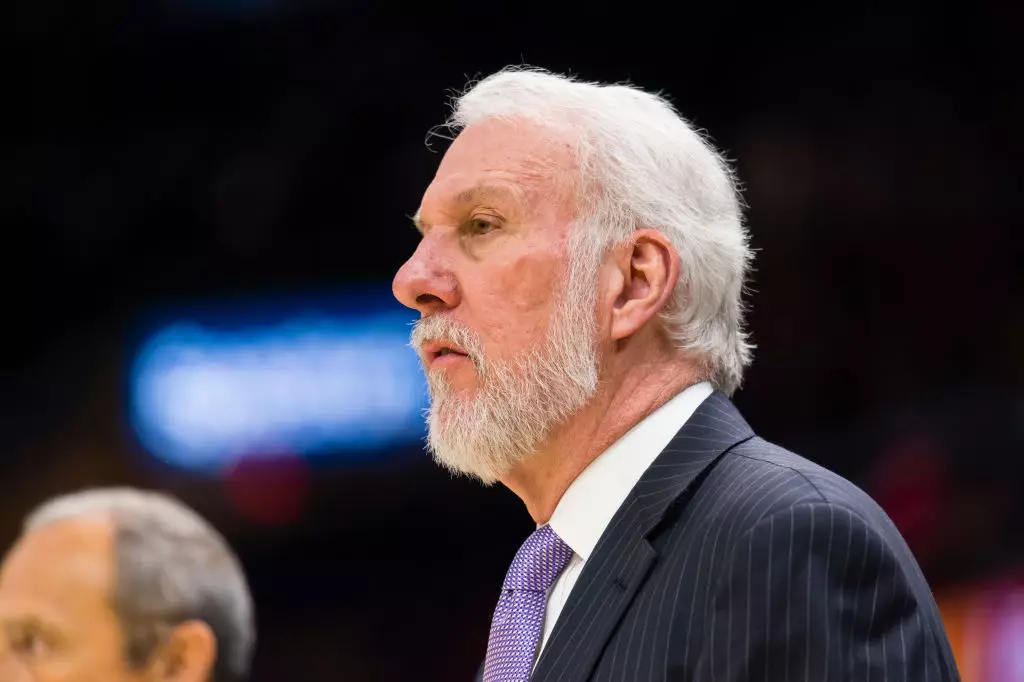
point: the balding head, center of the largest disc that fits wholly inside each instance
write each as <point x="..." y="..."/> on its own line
<point x="171" y="584"/>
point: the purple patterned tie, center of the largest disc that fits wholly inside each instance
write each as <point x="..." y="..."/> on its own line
<point x="519" y="616"/>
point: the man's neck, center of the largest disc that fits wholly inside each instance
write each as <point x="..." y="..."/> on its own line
<point x="542" y="479"/>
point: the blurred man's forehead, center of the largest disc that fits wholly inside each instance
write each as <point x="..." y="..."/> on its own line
<point x="63" y="568"/>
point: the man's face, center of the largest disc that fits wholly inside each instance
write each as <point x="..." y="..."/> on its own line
<point x="56" y="619"/>
<point x="507" y="311"/>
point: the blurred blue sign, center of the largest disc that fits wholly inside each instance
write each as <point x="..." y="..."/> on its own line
<point x="209" y="389"/>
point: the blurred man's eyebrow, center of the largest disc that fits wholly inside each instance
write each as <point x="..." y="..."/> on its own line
<point x="28" y="621"/>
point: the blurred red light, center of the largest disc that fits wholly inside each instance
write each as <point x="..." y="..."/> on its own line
<point x="268" y="490"/>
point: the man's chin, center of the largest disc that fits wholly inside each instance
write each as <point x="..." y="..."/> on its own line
<point x="447" y="413"/>
<point x="448" y="395"/>
<point x="485" y="473"/>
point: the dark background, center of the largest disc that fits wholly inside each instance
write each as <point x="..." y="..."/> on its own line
<point x="175" y="152"/>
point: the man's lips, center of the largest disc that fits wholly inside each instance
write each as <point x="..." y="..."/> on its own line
<point x="436" y="350"/>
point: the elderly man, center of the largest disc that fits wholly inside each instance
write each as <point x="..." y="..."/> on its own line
<point x="121" y="585"/>
<point x="579" y="280"/>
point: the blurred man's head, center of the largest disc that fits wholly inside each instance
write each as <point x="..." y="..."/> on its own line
<point x="122" y="586"/>
<point x="573" y="231"/>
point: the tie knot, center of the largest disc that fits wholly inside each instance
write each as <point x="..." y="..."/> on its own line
<point x="538" y="562"/>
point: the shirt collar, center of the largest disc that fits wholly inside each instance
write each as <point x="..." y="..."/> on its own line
<point x="590" y="502"/>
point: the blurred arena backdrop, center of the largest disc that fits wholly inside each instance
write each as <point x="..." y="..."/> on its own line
<point x="206" y="201"/>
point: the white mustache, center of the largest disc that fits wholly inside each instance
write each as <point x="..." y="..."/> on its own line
<point x="439" y="328"/>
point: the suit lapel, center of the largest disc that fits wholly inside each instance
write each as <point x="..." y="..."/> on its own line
<point x="624" y="555"/>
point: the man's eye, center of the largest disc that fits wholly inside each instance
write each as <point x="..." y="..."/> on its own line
<point x="29" y="644"/>
<point x="482" y="225"/>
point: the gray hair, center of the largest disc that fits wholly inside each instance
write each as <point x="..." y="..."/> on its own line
<point x="641" y="165"/>
<point x="171" y="566"/>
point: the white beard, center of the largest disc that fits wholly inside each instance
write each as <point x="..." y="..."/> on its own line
<point x="517" y="402"/>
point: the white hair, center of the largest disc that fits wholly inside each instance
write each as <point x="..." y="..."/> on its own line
<point x="641" y="165"/>
<point x="171" y="566"/>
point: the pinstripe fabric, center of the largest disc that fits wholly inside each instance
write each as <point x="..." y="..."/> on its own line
<point x="733" y="560"/>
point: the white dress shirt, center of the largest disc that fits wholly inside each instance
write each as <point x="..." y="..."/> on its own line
<point x="589" y="504"/>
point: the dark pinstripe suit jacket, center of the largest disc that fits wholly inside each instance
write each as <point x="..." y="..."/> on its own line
<point x="733" y="560"/>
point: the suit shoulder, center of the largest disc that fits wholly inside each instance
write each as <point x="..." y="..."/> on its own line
<point x="766" y="479"/>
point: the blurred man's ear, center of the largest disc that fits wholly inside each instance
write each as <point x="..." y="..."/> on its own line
<point x="186" y="655"/>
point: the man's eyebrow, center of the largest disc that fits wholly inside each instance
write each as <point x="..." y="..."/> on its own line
<point x="472" y="195"/>
<point x="479" y="192"/>
<point x="19" y="621"/>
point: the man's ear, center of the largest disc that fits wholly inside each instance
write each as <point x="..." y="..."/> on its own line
<point x="649" y="270"/>
<point x="188" y="654"/>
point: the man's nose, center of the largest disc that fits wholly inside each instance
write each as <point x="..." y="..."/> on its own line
<point x="426" y="282"/>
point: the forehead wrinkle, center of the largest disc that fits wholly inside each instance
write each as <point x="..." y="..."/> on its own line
<point x="528" y="187"/>
<point x="547" y="179"/>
